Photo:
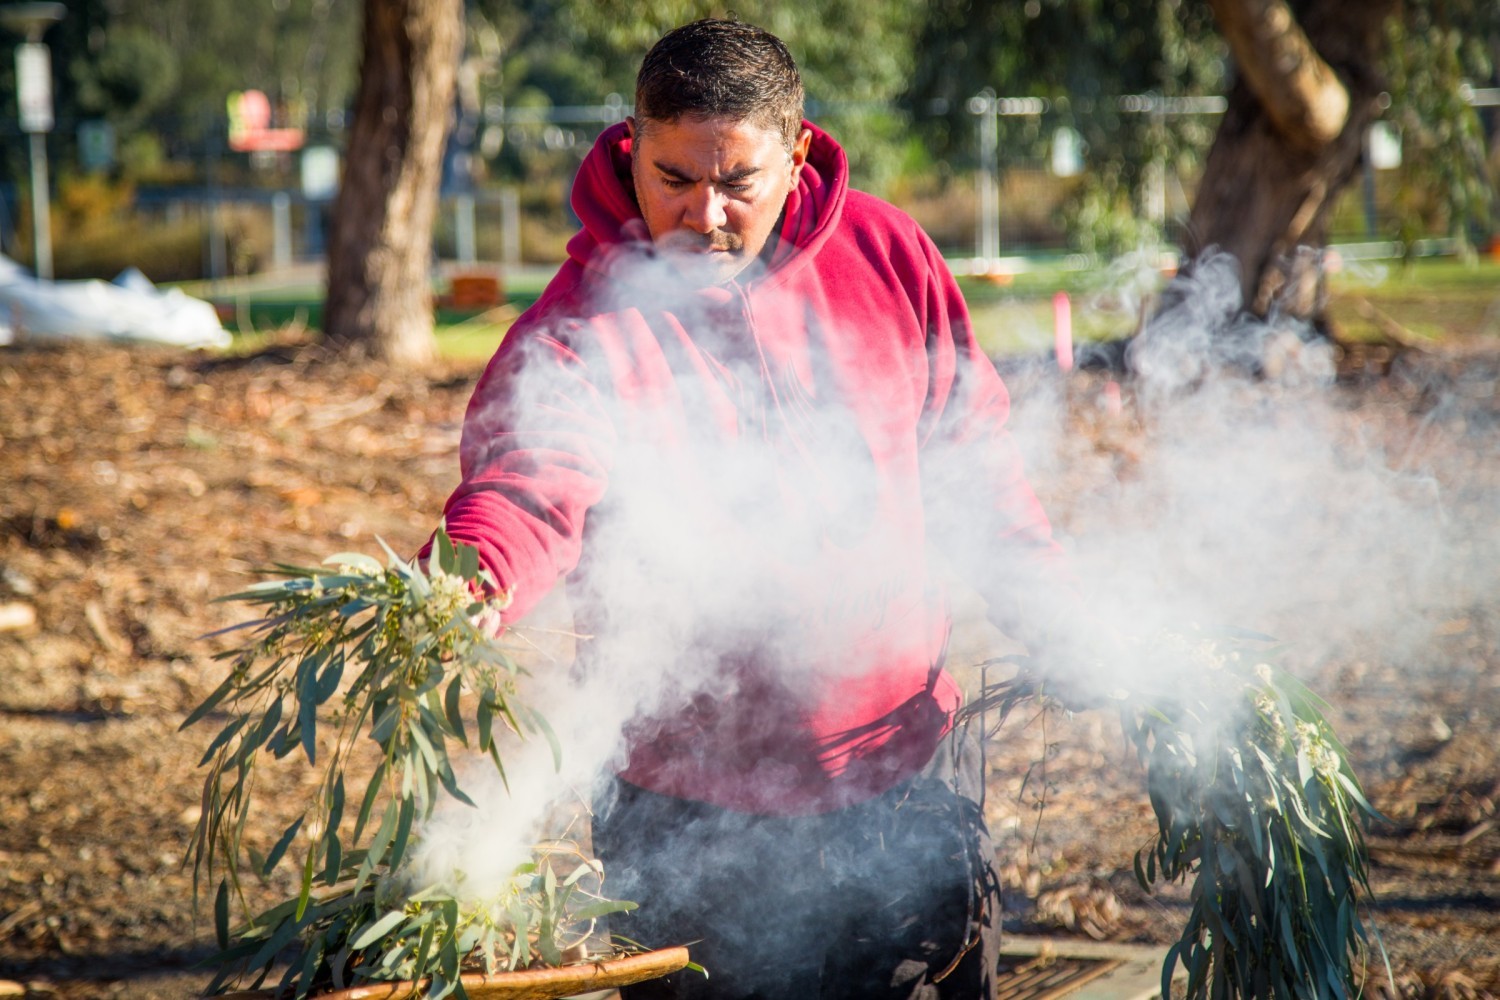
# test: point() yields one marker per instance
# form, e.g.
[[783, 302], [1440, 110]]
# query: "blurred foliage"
[[171, 64], [574, 52], [132, 75], [302, 53], [891, 81], [1080, 56], [1439, 52], [97, 234]]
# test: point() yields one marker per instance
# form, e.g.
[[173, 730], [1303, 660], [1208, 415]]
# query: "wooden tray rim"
[[526, 984]]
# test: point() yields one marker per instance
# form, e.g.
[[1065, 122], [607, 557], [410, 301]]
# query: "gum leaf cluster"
[[1256, 803], [389, 654]]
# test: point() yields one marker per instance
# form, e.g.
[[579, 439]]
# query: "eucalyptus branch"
[[389, 653], [1254, 797]]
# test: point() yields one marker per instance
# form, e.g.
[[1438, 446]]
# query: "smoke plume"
[[1253, 494]]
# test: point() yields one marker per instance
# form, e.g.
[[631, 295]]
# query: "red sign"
[[250, 126]]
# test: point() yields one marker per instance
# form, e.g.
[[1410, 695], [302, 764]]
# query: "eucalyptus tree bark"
[[1306, 89], [380, 245]]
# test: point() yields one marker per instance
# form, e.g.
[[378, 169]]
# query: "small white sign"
[[1385, 146], [320, 172], [96, 144], [1067, 152], [34, 86]]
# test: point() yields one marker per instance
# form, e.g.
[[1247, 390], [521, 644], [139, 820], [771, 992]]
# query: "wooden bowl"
[[529, 984]]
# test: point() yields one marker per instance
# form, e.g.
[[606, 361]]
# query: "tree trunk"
[[1291, 139], [380, 245]]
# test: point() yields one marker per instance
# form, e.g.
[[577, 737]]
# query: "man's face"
[[713, 186]]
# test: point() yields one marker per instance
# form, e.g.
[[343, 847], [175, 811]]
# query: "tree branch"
[[1300, 93]]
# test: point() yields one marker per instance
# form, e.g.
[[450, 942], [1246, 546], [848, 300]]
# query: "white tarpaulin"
[[128, 308]]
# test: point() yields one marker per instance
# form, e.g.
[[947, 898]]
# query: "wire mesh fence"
[[1007, 185]]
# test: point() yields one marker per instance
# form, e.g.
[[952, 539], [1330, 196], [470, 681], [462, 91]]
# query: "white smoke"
[[1255, 501], [702, 555], [1263, 494]]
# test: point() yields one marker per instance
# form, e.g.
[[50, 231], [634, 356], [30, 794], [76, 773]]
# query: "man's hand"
[[488, 621], [1087, 668]]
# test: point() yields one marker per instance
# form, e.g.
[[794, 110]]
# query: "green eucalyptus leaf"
[[334, 855], [404, 820], [468, 562], [443, 558], [395, 562], [377, 929], [307, 719], [424, 947], [328, 680], [386, 721], [448, 957], [304, 896], [600, 908], [225, 735], [376, 852], [268, 722], [282, 843], [423, 744], [420, 789], [356, 560], [540, 724], [450, 785], [372, 793], [486, 720], [284, 934], [335, 814], [312, 957], [221, 914], [452, 710], [211, 702]]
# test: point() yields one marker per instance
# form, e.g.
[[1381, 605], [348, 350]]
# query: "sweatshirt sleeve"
[[981, 511], [535, 455]]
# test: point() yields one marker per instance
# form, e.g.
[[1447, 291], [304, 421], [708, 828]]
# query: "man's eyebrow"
[[733, 176], [738, 174], [671, 171]]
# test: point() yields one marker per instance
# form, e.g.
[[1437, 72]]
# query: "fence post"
[[463, 227], [987, 234], [1156, 173], [41, 208], [510, 227], [215, 227], [216, 252], [281, 229]]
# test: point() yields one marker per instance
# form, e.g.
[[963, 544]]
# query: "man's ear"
[[630, 126], [799, 152]]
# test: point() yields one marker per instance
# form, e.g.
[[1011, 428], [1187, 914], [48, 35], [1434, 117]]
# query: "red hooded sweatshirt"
[[743, 485]]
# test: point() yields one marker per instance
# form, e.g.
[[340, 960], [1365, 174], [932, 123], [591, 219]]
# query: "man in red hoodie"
[[738, 424]]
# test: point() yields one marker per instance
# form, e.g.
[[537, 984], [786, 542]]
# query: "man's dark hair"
[[721, 68]]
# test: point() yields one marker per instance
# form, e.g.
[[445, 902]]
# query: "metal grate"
[[1047, 977]]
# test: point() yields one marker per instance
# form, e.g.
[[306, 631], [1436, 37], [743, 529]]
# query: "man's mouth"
[[706, 243]]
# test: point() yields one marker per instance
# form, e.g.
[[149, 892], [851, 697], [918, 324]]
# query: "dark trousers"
[[892, 898]]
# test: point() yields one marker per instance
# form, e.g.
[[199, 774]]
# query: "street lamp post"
[[986, 107], [34, 97]]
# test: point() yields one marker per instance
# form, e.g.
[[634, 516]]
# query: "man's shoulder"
[[564, 301], [871, 225], [865, 210], [874, 224]]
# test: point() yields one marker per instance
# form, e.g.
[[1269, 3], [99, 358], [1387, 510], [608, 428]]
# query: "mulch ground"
[[136, 485]]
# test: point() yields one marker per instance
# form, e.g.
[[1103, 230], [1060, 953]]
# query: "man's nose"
[[705, 210]]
